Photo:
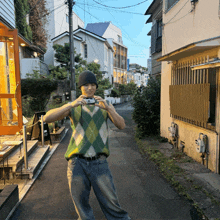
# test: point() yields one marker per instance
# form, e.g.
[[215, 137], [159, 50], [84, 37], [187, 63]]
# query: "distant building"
[[114, 36]]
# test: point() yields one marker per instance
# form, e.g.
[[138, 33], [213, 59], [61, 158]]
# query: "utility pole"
[[71, 3]]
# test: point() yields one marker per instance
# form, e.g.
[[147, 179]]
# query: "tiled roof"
[[98, 28]]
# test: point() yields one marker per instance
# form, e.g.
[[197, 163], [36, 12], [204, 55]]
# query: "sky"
[[131, 21]]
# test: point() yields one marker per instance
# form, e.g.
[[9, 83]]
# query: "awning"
[[191, 49], [212, 64]]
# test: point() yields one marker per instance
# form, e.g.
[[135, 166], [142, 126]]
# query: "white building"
[[92, 48], [114, 36], [58, 23]]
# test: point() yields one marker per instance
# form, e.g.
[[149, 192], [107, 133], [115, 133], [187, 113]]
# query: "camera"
[[90, 101]]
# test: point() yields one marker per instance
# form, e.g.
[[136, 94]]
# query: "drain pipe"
[[217, 153]]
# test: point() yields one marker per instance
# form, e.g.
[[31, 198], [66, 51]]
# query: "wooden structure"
[[10, 89]]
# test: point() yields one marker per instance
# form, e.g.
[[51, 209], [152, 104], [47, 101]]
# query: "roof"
[[98, 28], [66, 33], [191, 49], [152, 7]]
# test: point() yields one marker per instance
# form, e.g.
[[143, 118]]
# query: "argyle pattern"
[[89, 125]]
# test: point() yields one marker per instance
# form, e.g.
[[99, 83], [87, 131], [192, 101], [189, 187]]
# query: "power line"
[[120, 7], [129, 12], [178, 12], [112, 29]]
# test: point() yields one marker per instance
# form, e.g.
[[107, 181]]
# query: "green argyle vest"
[[89, 125]]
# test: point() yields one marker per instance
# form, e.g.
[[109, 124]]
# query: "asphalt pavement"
[[142, 190]]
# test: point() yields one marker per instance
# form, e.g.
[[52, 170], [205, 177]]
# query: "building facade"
[[155, 12], [190, 85], [92, 48], [114, 36]]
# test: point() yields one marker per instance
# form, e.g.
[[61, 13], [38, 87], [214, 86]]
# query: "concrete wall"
[[183, 27], [28, 65], [7, 11]]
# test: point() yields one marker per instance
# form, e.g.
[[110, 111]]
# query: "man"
[[88, 150]]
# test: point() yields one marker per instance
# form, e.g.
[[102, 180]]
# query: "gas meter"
[[201, 142], [173, 130]]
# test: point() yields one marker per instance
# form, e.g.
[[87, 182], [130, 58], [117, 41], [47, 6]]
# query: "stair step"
[[16, 158], [34, 162]]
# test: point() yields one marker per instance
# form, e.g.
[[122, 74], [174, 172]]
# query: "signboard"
[[36, 129]]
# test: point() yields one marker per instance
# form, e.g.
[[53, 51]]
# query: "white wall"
[[95, 49], [112, 32], [28, 65], [62, 41], [57, 24], [7, 11]]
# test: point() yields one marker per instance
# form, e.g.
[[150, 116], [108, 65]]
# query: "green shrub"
[[146, 112], [36, 94]]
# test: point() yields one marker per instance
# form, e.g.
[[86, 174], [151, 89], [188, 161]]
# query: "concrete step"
[[16, 158], [34, 161]]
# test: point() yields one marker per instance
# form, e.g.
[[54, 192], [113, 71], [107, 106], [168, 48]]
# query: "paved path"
[[142, 191]]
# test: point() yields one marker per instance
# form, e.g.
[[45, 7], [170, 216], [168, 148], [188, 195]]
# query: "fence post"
[[25, 147], [42, 130]]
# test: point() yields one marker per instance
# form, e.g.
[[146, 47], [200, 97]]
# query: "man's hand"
[[103, 104], [117, 120], [79, 101]]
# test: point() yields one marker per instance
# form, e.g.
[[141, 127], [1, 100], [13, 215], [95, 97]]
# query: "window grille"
[[193, 93]]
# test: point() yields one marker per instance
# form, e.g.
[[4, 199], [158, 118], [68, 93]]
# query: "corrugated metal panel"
[[190, 101], [7, 11]]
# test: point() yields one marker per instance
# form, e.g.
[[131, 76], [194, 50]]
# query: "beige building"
[[190, 78]]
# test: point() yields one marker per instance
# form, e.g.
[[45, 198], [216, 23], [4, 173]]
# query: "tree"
[[146, 112], [37, 20], [62, 55]]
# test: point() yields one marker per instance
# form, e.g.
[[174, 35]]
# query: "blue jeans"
[[83, 174]]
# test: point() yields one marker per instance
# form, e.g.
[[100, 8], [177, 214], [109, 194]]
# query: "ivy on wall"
[[21, 10]]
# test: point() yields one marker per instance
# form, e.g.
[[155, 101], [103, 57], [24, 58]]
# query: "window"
[[169, 4], [119, 39], [85, 51], [67, 18], [159, 28]]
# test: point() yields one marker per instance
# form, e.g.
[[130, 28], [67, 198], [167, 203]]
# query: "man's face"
[[88, 89]]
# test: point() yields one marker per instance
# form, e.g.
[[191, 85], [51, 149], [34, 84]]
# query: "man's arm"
[[63, 111], [117, 120]]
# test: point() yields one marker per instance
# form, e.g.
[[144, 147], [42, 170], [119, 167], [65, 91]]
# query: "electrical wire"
[[178, 12], [129, 12], [110, 28], [120, 7]]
